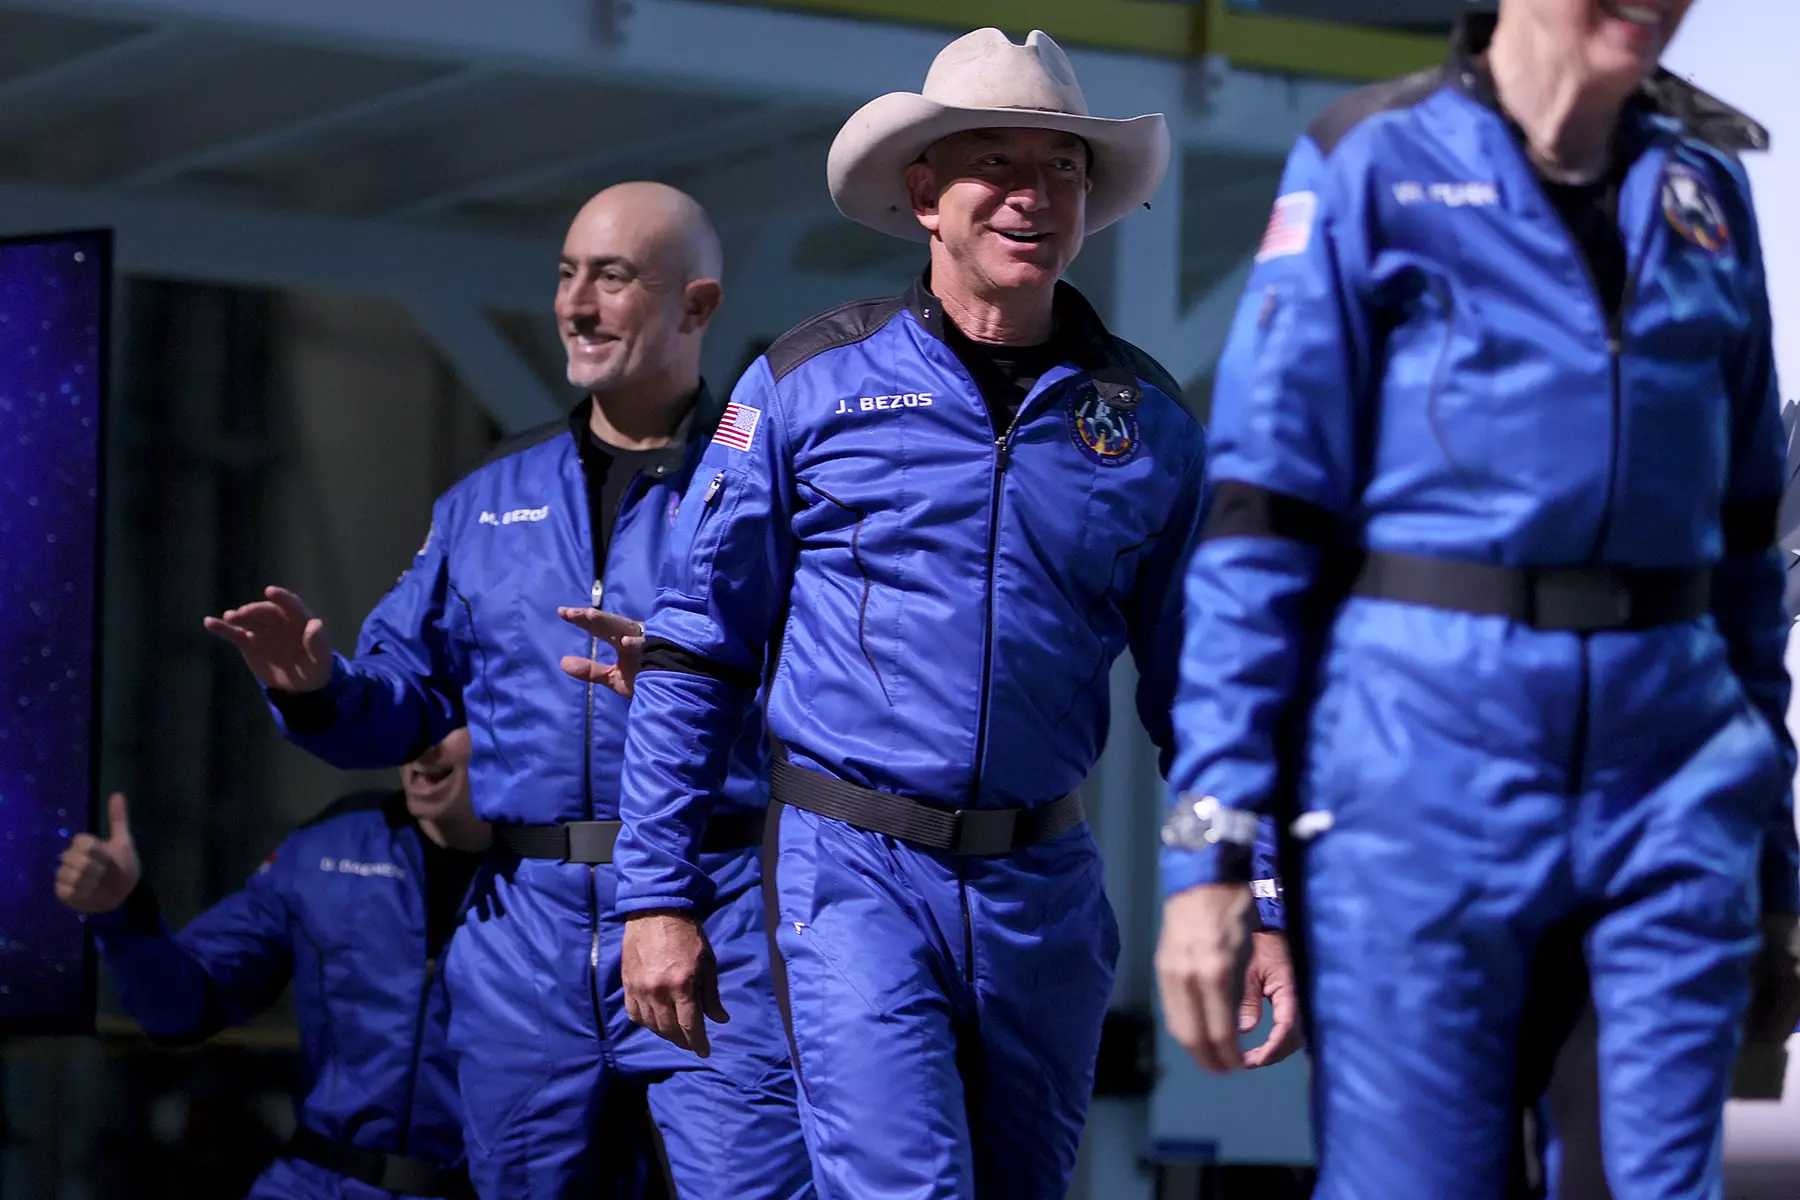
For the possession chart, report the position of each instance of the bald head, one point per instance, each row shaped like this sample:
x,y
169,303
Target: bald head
x,y
663,222
639,282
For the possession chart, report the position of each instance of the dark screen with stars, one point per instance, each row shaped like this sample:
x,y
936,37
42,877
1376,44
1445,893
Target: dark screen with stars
x,y
53,300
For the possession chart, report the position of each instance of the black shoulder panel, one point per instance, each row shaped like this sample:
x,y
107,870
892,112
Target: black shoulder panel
x,y
1704,115
537,435
356,802
1149,370
844,325
1329,128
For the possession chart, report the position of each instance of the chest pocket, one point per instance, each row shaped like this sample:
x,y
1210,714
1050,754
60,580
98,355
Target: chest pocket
x,y
706,511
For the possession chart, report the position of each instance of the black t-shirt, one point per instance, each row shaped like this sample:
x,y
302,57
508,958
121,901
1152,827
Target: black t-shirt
x,y
448,874
1005,374
610,471
1590,211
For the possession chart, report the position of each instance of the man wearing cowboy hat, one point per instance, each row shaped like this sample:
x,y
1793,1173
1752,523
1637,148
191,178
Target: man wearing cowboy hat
x,y
932,523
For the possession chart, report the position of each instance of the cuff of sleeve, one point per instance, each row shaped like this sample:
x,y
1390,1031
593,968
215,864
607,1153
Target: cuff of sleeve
x,y
140,915
639,904
1268,904
306,713
1222,863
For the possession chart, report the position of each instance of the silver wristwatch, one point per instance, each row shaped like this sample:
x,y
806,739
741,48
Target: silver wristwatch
x,y
1197,822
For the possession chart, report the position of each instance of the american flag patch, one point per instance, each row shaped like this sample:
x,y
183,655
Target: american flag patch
x,y
738,425
1290,226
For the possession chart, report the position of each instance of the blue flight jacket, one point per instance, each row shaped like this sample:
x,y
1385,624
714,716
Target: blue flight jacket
x,y
470,634
947,598
338,911
1421,365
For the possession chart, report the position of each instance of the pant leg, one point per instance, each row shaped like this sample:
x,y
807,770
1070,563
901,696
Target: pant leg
x,y
1671,956
1435,749
727,1126
869,981
1045,948
522,1023
721,1140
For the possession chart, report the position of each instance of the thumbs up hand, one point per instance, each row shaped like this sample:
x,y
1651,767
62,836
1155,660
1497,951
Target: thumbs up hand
x,y
96,876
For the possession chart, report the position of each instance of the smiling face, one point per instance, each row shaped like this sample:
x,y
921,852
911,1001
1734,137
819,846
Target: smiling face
x,y
1006,208
636,285
437,782
1619,40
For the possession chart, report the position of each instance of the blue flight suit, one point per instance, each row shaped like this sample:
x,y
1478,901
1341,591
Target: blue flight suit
x,y
338,911
557,1074
1422,392
936,605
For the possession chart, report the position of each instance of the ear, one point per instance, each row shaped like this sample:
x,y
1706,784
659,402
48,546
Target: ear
x,y
923,191
702,300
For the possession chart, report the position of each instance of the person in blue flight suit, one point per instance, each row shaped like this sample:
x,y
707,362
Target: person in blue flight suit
x,y
1496,458
579,513
353,909
934,521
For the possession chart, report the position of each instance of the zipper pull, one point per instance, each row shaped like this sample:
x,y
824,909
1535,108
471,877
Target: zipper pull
x,y
1002,452
599,591
713,488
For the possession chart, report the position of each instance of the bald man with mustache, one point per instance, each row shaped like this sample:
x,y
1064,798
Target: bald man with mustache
x,y
499,625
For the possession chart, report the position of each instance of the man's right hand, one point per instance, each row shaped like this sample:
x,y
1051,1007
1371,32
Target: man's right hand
x,y
671,978
96,876
283,644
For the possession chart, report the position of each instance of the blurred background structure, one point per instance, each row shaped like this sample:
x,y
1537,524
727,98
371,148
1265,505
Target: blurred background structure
x,y
337,224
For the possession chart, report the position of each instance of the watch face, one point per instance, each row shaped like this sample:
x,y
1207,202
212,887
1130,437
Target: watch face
x,y
1186,829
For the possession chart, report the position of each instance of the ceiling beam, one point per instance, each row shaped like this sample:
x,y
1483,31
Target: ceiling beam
x,y
716,47
181,239
81,72
237,149
646,157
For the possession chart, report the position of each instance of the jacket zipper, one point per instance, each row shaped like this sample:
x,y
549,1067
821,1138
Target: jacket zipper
x,y
1002,459
1615,348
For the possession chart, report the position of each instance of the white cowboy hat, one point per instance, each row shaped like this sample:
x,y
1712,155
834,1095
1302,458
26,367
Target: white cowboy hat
x,y
984,81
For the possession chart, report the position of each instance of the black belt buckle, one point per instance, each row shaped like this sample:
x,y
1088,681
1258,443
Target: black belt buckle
x,y
982,831
1583,599
591,842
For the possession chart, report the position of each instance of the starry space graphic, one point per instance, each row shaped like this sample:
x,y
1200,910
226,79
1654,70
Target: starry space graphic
x,y
53,297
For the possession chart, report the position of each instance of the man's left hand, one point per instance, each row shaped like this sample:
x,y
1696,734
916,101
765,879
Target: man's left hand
x,y
1271,976
1201,960
671,978
623,634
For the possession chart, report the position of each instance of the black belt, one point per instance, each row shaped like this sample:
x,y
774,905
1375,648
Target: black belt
x,y
591,842
389,1172
1569,599
967,831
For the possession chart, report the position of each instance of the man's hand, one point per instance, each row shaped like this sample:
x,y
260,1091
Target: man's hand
x,y
96,876
1201,960
1270,975
1775,983
283,644
623,634
671,979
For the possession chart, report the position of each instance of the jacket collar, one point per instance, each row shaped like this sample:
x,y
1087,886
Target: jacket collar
x,y
1092,348
1665,94
702,416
